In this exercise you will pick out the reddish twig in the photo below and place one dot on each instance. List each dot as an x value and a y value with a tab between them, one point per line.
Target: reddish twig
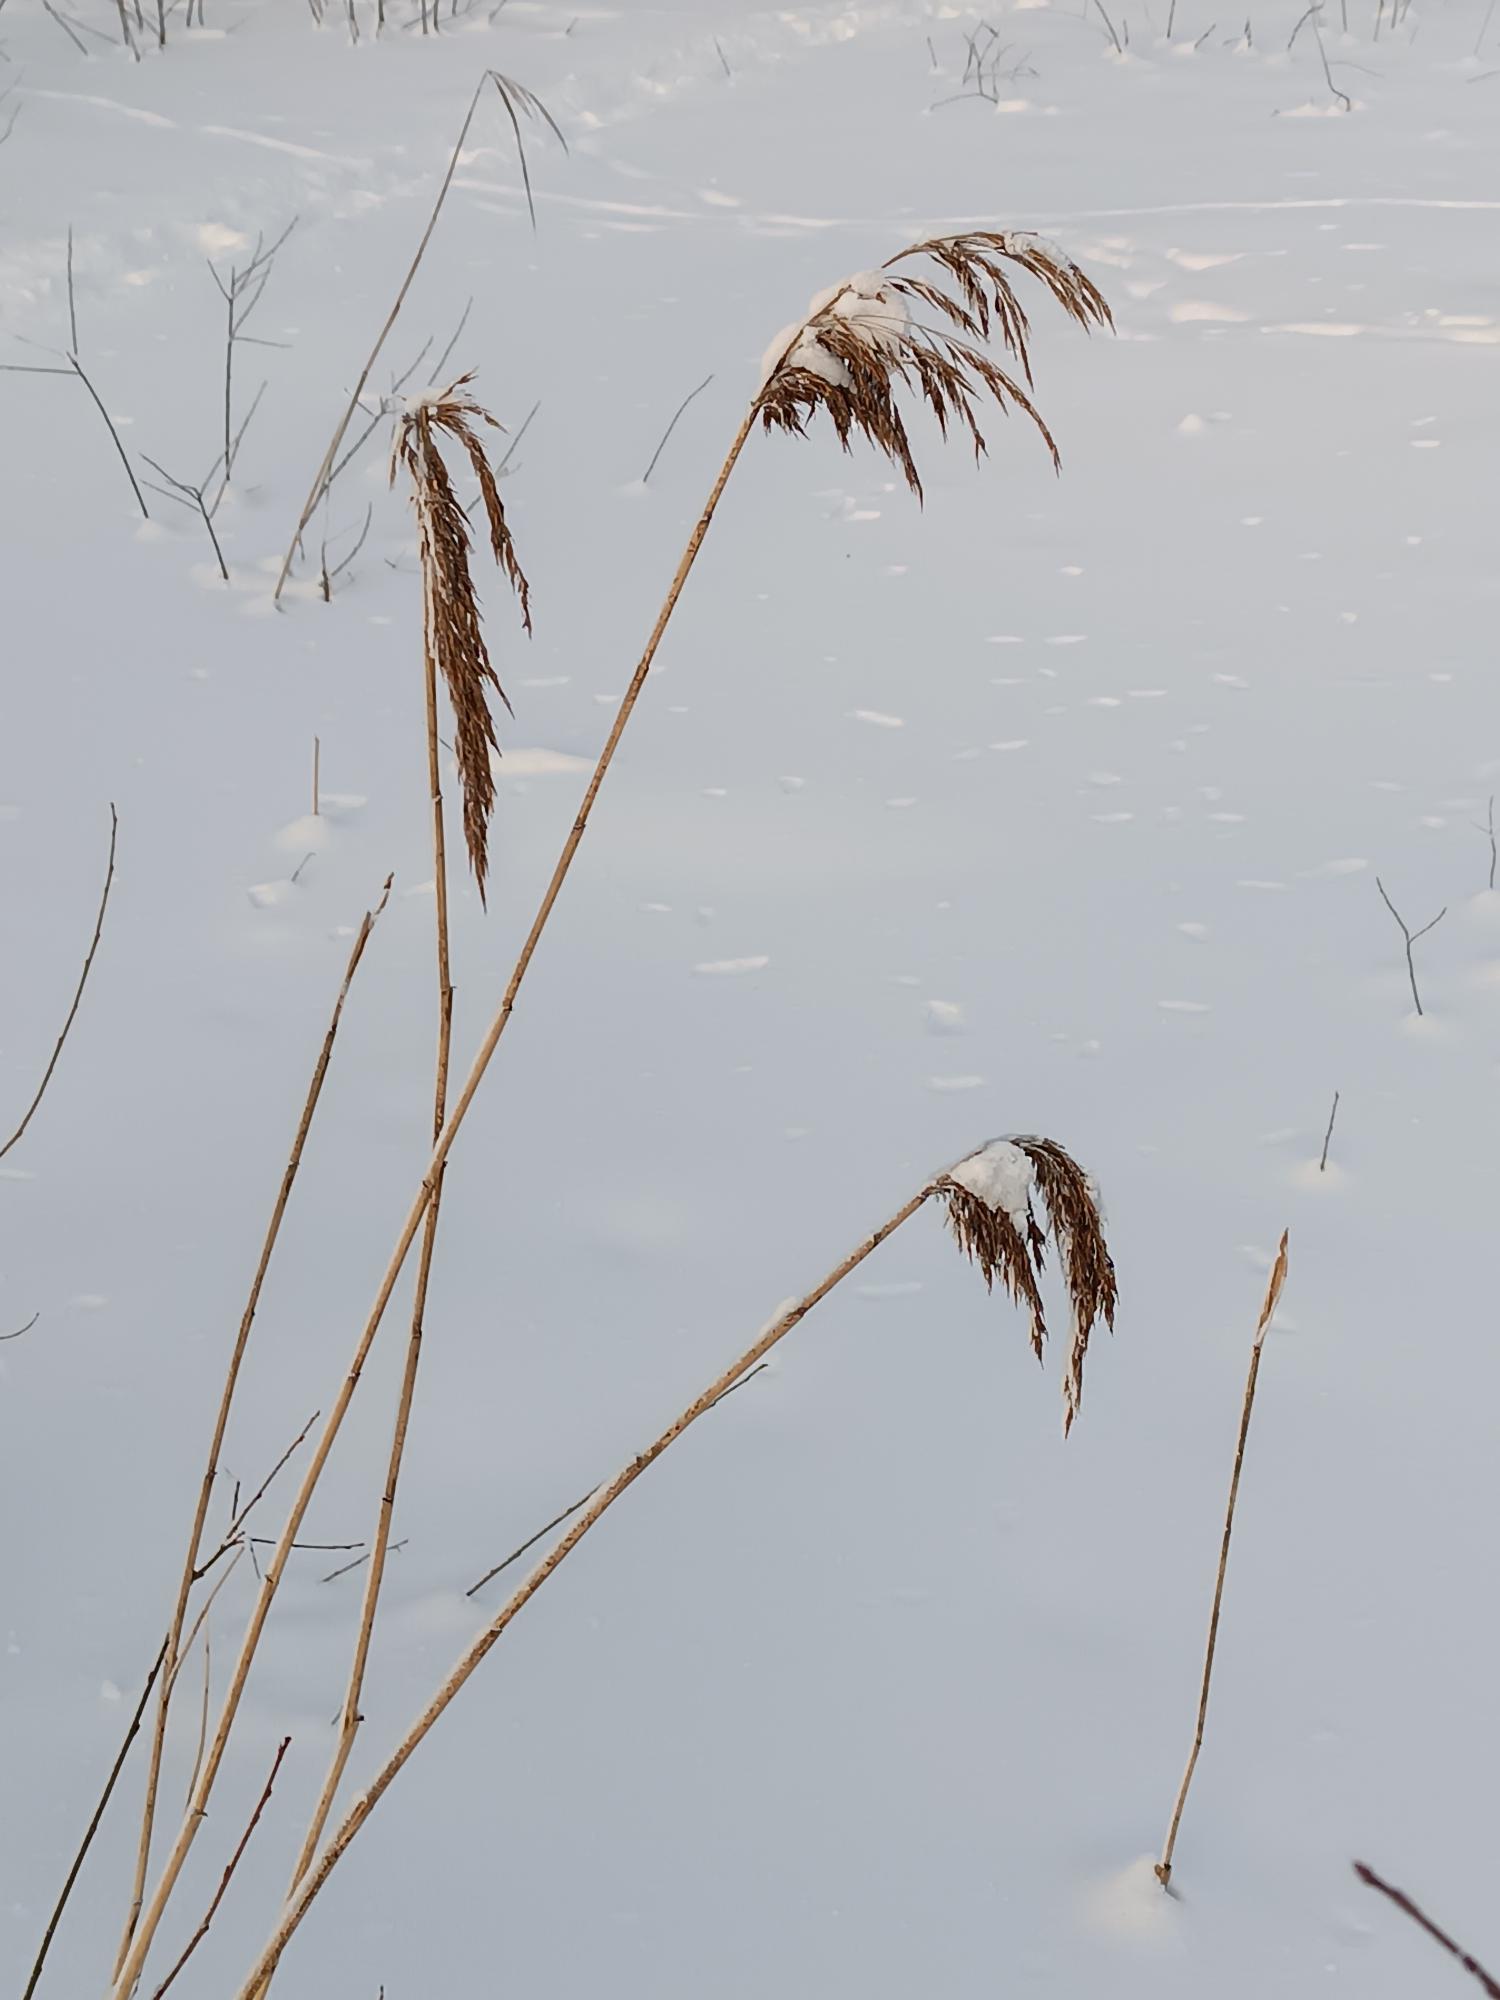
1405	1904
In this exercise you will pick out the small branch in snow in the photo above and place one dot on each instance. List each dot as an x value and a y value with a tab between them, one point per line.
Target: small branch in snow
1488	829
344	1568
723	59
1342	96
1411	937
1323	1162
1119	45
47	4
88	965
22	1329
1408	1908
188	496
645	476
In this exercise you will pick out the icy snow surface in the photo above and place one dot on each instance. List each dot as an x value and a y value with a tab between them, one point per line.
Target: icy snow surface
872	1687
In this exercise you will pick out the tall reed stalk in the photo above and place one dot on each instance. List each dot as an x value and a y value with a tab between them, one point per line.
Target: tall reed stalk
453	648
190	1570
989	1196
858	346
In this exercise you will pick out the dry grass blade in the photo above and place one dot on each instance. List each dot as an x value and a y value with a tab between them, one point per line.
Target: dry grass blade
452	629
992	1214
863	343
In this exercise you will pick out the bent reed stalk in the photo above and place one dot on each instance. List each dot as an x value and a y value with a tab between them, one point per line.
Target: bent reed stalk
997	1179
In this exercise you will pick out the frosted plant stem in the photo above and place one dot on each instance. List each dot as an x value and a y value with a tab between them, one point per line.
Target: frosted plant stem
221	1423
297	1907
1273	1293
380	1542
129	1969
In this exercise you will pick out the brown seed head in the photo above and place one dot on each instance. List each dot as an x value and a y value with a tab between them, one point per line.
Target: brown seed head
452	632
991	1212
891	329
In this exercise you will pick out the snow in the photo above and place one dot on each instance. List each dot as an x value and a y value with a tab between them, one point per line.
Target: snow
1001	1175
870	1676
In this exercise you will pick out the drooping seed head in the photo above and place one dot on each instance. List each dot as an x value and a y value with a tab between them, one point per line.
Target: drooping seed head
452	630
882	331
990	1197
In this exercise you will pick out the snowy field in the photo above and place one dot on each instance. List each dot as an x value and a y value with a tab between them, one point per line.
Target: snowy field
1056	805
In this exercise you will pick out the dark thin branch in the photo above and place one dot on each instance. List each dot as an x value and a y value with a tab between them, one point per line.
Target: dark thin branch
195	495
1411	938
234	1861
114	434
442	360
93	1826
1408	1908
242	1514
568	1512
1323	1162
47	4
22	1329
72	307
1342	96
645	476
1119	46
109	876
344	1568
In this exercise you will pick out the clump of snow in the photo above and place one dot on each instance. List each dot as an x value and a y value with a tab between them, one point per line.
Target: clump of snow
1002	1177
866	300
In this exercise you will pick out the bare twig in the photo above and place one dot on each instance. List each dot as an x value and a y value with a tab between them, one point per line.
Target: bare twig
22	1329
47	4
1410	938
1119	45
723	59
513	96
132	1730
1273	1294
645	476
242	1514
234	1861
1302	21
358	1562
1323	1162
188	495
72	306
317	758
1404	1903
88	963
571	1511
241	294
221	1422
1342	96
1488	829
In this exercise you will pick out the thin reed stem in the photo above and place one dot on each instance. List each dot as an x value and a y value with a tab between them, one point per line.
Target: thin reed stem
380	1542
1273	1293
129	1969
216	1443
603	1500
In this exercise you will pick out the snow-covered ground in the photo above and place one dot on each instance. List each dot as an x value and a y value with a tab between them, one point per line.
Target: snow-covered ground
1055	806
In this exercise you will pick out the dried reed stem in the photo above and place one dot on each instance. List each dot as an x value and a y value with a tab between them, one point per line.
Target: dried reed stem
351	1717
1273	1294
83	978
1408	1908
210	1472
515	97
603	1500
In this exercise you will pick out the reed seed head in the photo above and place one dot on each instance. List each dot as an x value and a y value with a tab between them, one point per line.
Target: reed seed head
451	627
892	329
990	1197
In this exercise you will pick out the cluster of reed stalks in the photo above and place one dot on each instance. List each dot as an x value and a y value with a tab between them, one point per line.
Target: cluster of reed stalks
921	327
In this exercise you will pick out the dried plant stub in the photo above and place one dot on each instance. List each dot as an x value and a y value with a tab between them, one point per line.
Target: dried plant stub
991	1198
452	631
882	331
